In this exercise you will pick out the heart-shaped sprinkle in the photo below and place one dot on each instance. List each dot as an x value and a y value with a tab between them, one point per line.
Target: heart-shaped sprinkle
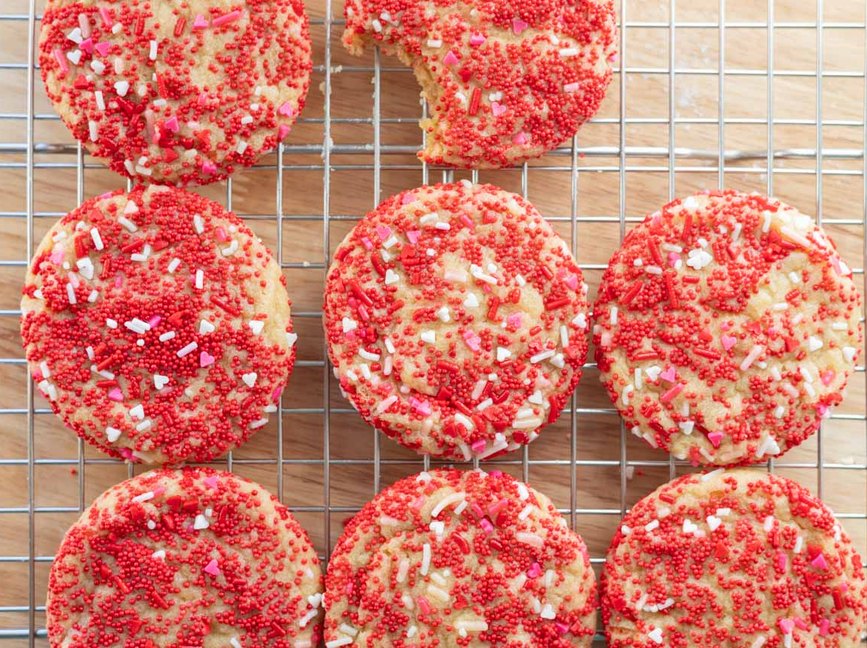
115	394
213	568
200	22
102	48
256	326
713	522
74	56
206	327
206	359
519	26
715	438
498	109
787	625
450	58
249	378
160	381
728	341
112	434
669	375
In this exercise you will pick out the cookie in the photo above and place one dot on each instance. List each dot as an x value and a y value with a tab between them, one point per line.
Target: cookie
736	558
452	558
157	325
726	328
176	93
455	320
505	81
194	557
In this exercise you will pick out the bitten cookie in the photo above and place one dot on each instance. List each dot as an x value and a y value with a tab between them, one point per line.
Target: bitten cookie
157	325
734	558
456	319
506	81
176	92
452	558
194	557
726	327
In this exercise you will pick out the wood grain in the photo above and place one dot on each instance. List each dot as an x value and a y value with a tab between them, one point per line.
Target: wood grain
606	186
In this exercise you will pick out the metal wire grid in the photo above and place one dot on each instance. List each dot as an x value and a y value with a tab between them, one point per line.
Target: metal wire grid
565	159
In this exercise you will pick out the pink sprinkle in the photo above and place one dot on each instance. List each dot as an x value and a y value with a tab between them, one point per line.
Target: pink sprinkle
781	561
479	446
200	22
450	58
728	341
106	15
413	236
383	232
349	587
275	395
477	39
420	406
519	25
495	508
118	281
827	377
423	604
282	131
286	110
367	242
821	409
571	281
212	568
171	124
668	396
562	628
115	394
407	198
232	16
222	236
467	221
535	570
206	359
102	48
514	320
417	503
824	626
126	453
787	625
61	61
673	258
521	138
498	109
669	375
473	341
203	98
496	474
154	321
801	624
485	523
819	562
477	511
159	490
208	167
86	45
57	255
211	481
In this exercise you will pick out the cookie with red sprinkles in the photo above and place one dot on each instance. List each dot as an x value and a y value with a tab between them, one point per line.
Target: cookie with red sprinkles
176	92
726	328
506	81
456	320
193	557
736	558
157	326
453	558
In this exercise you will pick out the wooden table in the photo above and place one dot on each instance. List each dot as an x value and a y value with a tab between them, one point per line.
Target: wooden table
323	459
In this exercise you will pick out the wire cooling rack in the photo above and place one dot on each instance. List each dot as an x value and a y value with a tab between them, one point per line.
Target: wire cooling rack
766	96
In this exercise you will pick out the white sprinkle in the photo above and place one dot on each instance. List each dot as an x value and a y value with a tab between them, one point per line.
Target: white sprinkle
568	52
767	446
471	301
548	612
434	43
503	353
122	87
443	314
391	277
349	325
655	635
159	554
152	55
200	279
752	357
651	526
256	326
127	223
168	335
799	544
814	343
112	434
654	270
192	346
342	641
840	326
759	642
201	522
525	512
385	404
531	539
402	570
428	336
173	265
713	522
160	381
466	422
543	355
425	559
250	378
230	249
849	353
779	412
100	100
768	523
258	423
613	317
198	223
